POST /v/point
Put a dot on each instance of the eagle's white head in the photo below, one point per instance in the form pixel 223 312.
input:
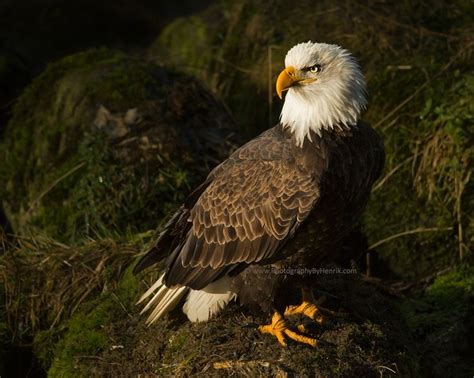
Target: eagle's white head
pixel 325 88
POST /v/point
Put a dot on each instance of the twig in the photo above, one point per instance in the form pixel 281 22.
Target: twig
pixel 460 186
pixel 235 66
pixel 96 358
pixel 57 317
pixel 409 232
pixel 382 367
pixel 229 364
pixel 117 299
pixel 391 173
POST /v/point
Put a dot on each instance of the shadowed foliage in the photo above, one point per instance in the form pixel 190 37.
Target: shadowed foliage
pixel 99 137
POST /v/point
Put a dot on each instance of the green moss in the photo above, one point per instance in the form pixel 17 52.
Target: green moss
pixel 179 353
pixel 179 31
pixel 85 335
pixel 78 343
pixel 43 346
pixel 441 322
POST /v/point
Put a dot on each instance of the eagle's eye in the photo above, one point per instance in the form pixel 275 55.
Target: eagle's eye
pixel 314 69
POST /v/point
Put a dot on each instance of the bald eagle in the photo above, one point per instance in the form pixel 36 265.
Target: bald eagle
pixel 286 199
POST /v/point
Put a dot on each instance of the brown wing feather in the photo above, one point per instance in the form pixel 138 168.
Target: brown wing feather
pixel 255 200
pixel 265 203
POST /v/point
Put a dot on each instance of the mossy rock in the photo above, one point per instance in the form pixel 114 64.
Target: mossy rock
pixel 85 333
pixel 441 320
pixel 203 34
pixel 421 98
pixel 76 305
pixel 57 298
pixel 101 143
pixel 79 305
pixel 228 52
pixel 363 337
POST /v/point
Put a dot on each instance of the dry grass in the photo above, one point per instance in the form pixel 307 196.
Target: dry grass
pixel 438 176
pixel 45 281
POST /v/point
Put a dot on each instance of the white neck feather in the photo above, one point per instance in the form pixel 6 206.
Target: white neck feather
pixel 306 111
pixel 336 98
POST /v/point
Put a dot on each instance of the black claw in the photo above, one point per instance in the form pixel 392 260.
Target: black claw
pixel 310 326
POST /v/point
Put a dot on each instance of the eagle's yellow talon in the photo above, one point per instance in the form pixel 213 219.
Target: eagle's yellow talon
pixel 300 338
pixel 279 329
pixel 305 308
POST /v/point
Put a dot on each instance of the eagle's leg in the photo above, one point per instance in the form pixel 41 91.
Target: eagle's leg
pixel 307 307
pixel 280 330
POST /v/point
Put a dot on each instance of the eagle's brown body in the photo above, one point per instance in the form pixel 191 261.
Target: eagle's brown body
pixel 271 202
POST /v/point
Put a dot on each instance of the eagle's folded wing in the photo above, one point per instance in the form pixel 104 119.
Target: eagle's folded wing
pixel 243 216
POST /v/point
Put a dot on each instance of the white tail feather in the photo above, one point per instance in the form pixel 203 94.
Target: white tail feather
pixel 151 289
pixel 168 303
pixel 200 304
pixel 165 299
pixel 157 298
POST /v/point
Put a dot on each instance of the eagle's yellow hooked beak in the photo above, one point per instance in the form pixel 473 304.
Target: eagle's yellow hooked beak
pixel 288 78
pixel 285 80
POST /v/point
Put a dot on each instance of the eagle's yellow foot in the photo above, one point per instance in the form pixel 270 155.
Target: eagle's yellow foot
pixel 306 308
pixel 280 330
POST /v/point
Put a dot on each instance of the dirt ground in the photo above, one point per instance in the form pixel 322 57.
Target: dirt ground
pixel 363 336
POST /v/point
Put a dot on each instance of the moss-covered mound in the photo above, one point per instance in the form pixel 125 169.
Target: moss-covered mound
pixel 417 58
pixel 76 306
pixel 102 142
pixel 362 337
pixel 45 283
pixel 441 320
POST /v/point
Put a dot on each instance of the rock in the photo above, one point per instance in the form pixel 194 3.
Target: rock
pixel 102 142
